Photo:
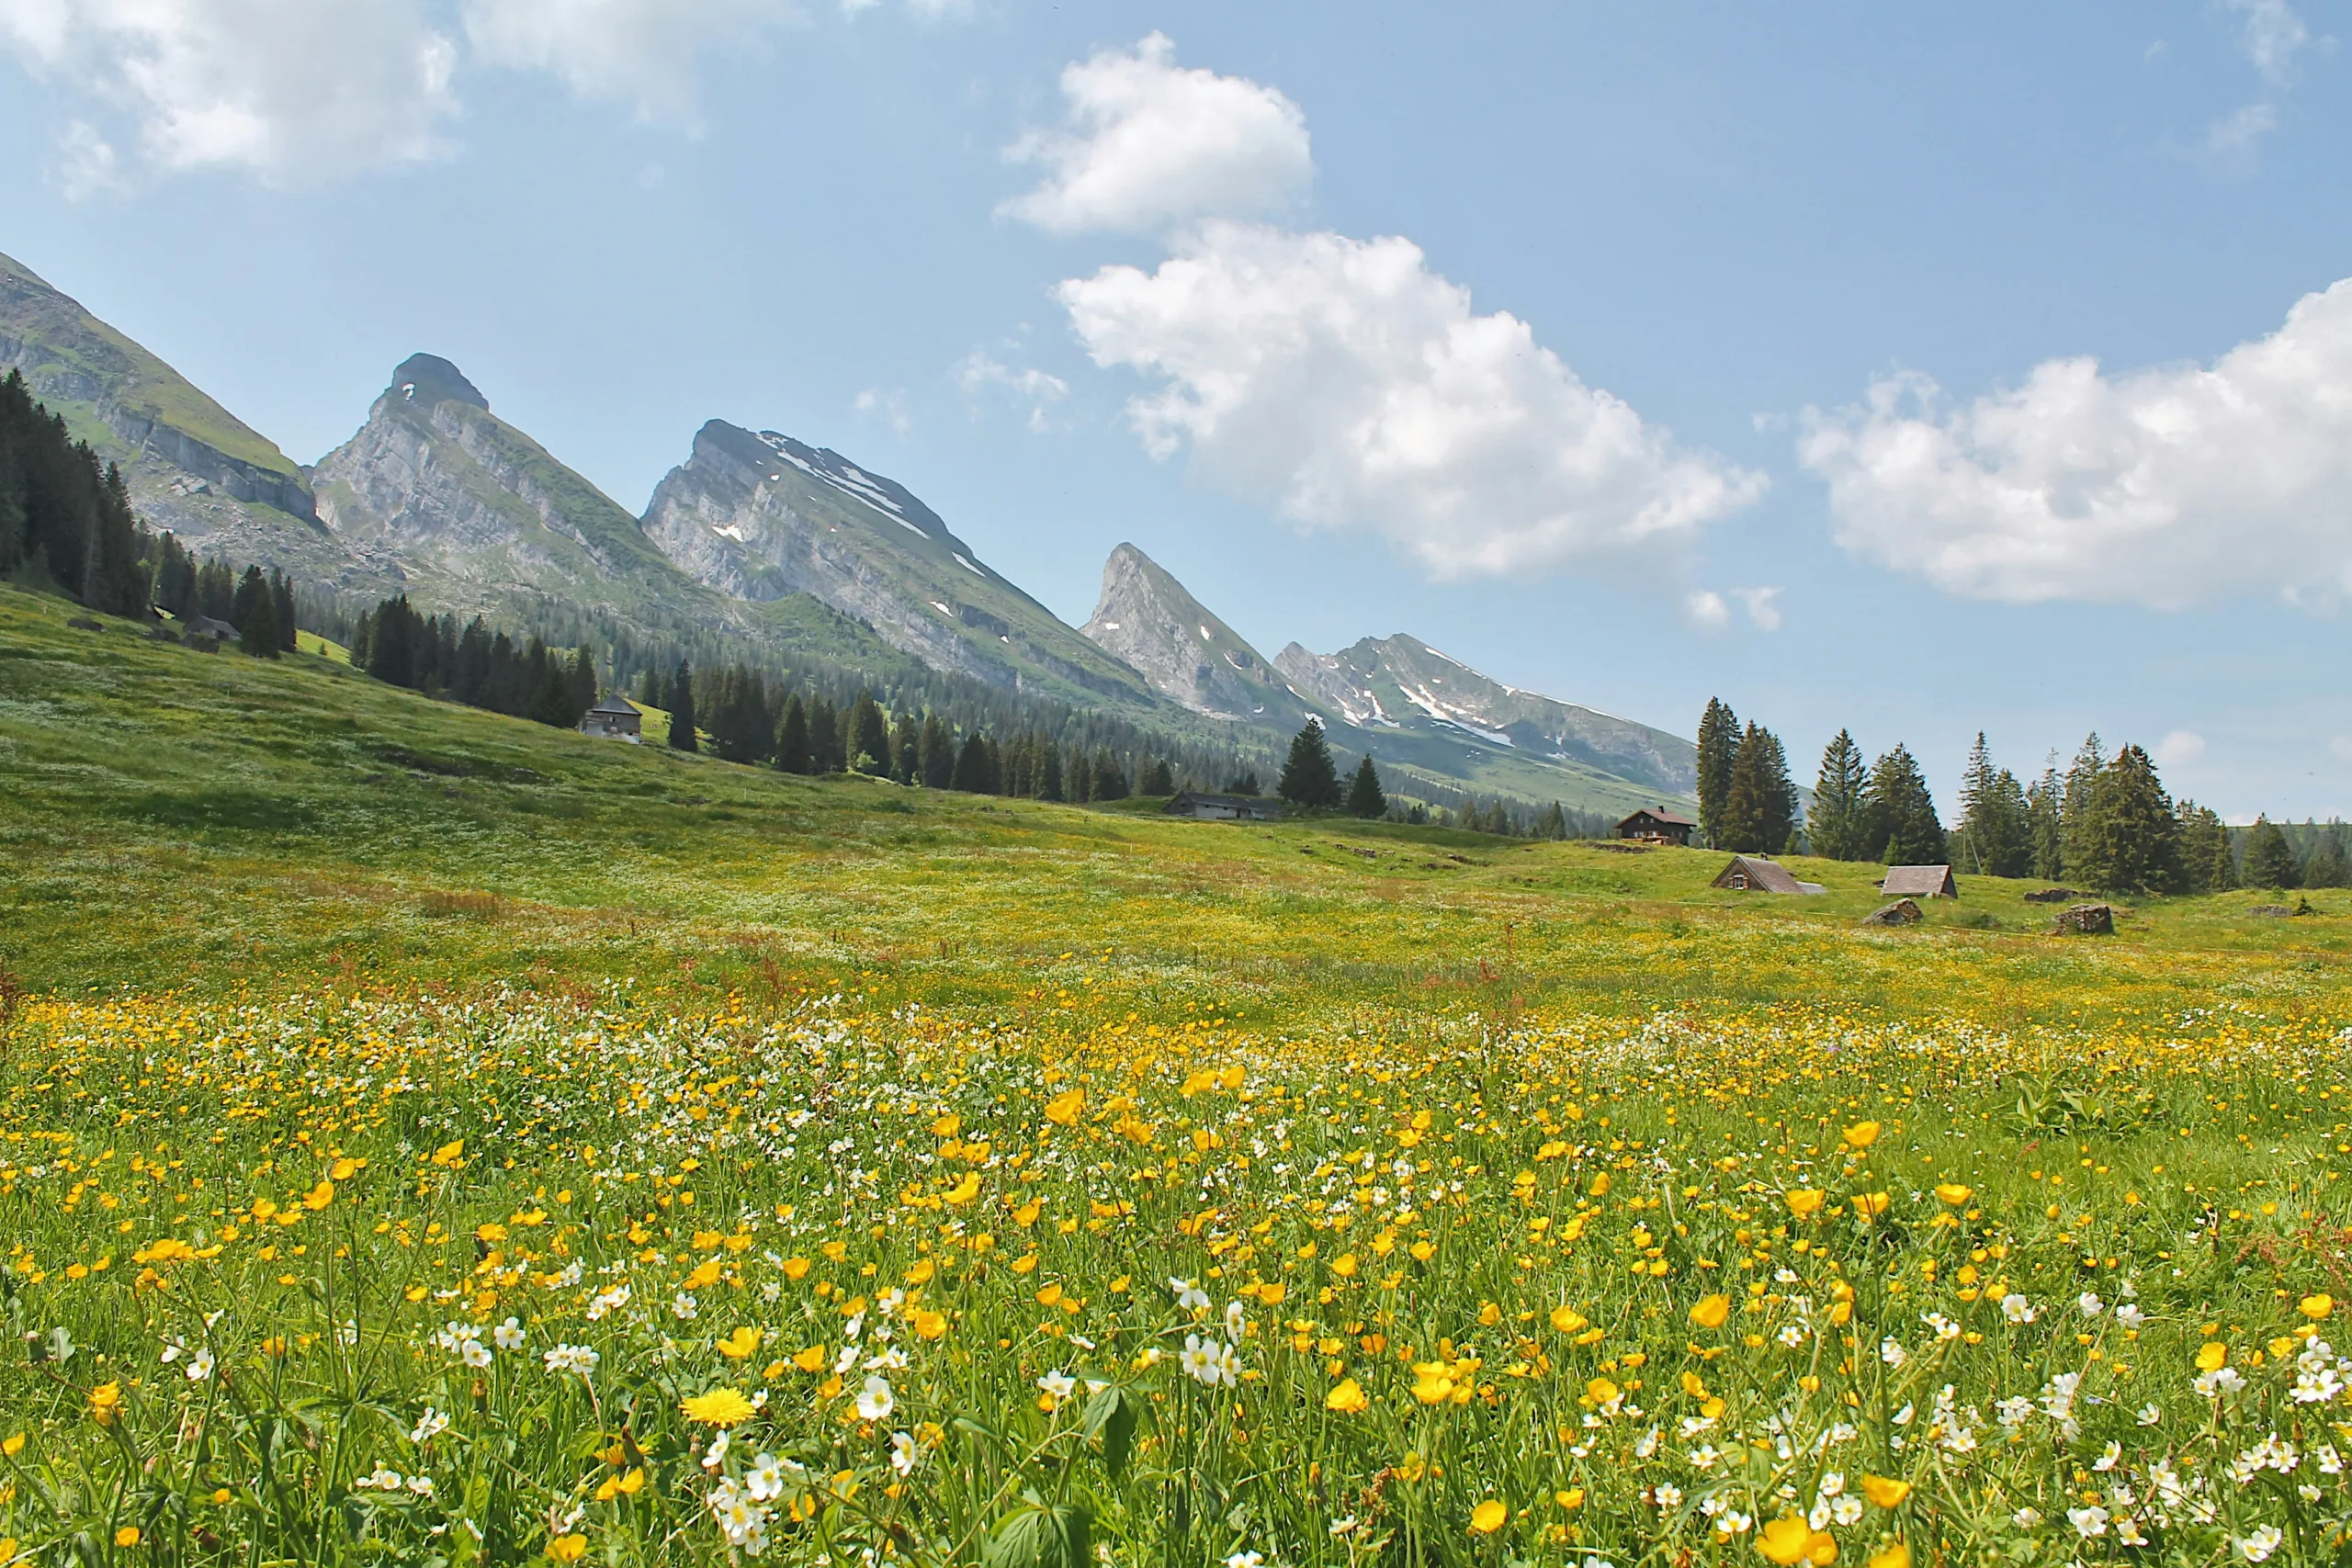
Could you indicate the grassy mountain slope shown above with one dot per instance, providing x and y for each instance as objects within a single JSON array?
[{"x": 176, "y": 819}]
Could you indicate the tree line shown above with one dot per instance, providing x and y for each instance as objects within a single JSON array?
[
  {"x": 1310, "y": 781},
  {"x": 261, "y": 607},
  {"x": 473, "y": 665},
  {"x": 66, "y": 518}
]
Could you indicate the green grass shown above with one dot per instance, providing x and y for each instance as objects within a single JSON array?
[{"x": 176, "y": 818}]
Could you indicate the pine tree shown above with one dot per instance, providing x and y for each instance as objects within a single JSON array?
[
  {"x": 972, "y": 766},
  {"x": 1158, "y": 780},
  {"x": 2074, "y": 805},
  {"x": 2206, "y": 865},
  {"x": 1049, "y": 784},
  {"x": 1995, "y": 834},
  {"x": 1110, "y": 780},
  {"x": 257, "y": 633},
  {"x": 1309, "y": 778},
  {"x": 792, "y": 738},
  {"x": 1759, "y": 809},
  {"x": 1244, "y": 785},
  {"x": 2269, "y": 859},
  {"x": 1902, "y": 828},
  {"x": 826, "y": 749},
  {"x": 2326, "y": 865},
  {"x": 682, "y": 709},
  {"x": 938, "y": 753},
  {"x": 2125, "y": 835},
  {"x": 1364, "y": 796},
  {"x": 1718, "y": 751},
  {"x": 2045, "y": 822},
  {"x": 281, "y": 599},
  {"x": 1552, "y": 824},
  {"x": 1835, "y": 824},
  {"x": 905, "y": 751},
  {"x": 867, "y": 749}
]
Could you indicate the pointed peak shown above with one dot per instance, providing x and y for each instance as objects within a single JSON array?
[{"x": 427, "y": 379}]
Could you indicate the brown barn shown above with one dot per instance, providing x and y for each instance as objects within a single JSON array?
[
  {"x": 1920, "y": 882},
  {"x": 1656, "y": 825},
  {"x": 1759, "y": 873}
]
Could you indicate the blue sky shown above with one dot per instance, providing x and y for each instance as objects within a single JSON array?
[{"x": 1549, "y": 333}]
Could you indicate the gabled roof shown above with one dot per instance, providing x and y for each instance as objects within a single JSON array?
[
  {"x": 1231, "y": 802},
  {"x": 1661, "y": 814},
  {"x": 615, "y": 702},
  {"x": 1930, "y": 880},
  {"x": 1764, "y": 875}
]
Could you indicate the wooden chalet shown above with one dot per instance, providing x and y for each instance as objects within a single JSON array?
[{"x": 1656, "y": 825}]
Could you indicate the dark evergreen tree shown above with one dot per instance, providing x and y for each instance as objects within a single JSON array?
[
  {"x": 1309, "y": 778},
  {"x": 281, "y": 599},
  {"x": 792, "y": 754},
  {"x": 1049, "y": 779},
  {"x": 869, "y": 749},
  {"x": 2326, "y": 865},
  {"x": 1838, "y": 824},
  {"x": 682, "y": 709},
  {"x": 1901, "y": 813},
  {"x": 1759, "y": 807},
  {"x": 972, "y": 767},
  {"x": 2046, "y": 823},
  {"x": 1718, "y": 750},
  {"x": 1080, "y": 777},
  {"x": 1551, "y": 824},
  {"x": 938, "y": 753},
  {"x": 257, "y": 633},
  {"x": 2075, "y": 806},
  {"x": 1109, "y": 779},
  {"x": 2125, "y": 836},
  {"x": 825, "y": 746},
  {"x": 2269, "y": 859},
  {"x": 1158, "y": 780},
  {"x": 1366, "y": 798},
  {"x": 1995, "y": 834},
  {"x": 1244, "y": 785},
  {"x": 905, "y": 751},
  {"x": 2206, "y": 865}
]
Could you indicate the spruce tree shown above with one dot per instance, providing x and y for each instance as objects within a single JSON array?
[
  {"x": 2327, "y": 864},
  {"x": 1049, "y": 782},
  {"x": 1158, "y": 779},
  {"x": 905, "y": 751},
  {"x": 682, "y": 707},
  {"x": 2045, "y": 822},
  {"x": 1718, "y": 751},
  {"x": 972, "y": 766},
  {"x": 792, "y": 738},
  {"x": 2125, "y": 835},
  {"x": 1245, "y": 785},
  {"x": 1110, "y": 781},
  {"x": 2206, "y": 865},
  {"x": 1309, "y": 778},
  {"x": 2269, "y": 859},
  {"x": 1835, "y": 823},
  {"x": 281, "y": 599},
  {"x": 2074, "y": 805},
  {"x": 257, "y": 633},
  {"x": 1759, "y": 807},
  {"x": 1364, "y": 796},
  {"x": 1995, "y": 835},
  {"x": 1901, "y": 813},
  {"x": 1553, "y": 823},
  {"x": 938, "y": 753}
]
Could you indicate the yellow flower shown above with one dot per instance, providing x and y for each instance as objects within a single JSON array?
[
  {"x": 318, "y": 1197},
  {"x": 127, "y": 1537},
  {"x": 1784, "y": 1541},
  {"x": 920, "y": 1273},
  {"x": 1344, "y": 1265},
  {"x": 568, "y": 1548},
  {"x": 2210, "y": 1355},
  {"x": 928, "y": 1325},
  {"x": 492, "y": 1231},
  {"x": 1870, "y": 1205},
  {"x": 741, "y": 1344},
  {"x": 1348, "y": 1398},
  {"x": 1709, "y": 1312},
  {"x": 963, "y": 1192},
  {"x": 1953, "y": 1192},
  {"x": 1862, "y": 1135},
  {"x": 705, "y": 1275},
  {"x": 105, "y": 1403},
  {"x": 1820, "y": 1550},
  {"x": 1487, "y": 1518},
  {"x": 2317, "y": 1306},
  {"x": 1567, "y": 1319},
  {"x": 1805, "y": 1202},
  {"x": 8, "y": 1549},
  {"x": 1600, "y": 1391},
  {"x": 1063, "y": 1109},
  {"x": 1885, "y": 1491},
  {"x": 1896, "y": 1556},
  {"x": 1570, "y": 1500},
  {"x": 13, "y": 1445},
  {"x": 812, "y": 1359},
  {"x": 796, "y": 1267},
  {"x": 720, "y": 1408}
]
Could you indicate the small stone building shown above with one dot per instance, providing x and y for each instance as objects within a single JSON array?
[
  {"x": 1919, "y": 881},
  {"x": 1760, "y": 874},
  {"x": 616, "y": 718},
  {"x": 1656, "y": 825},
  {"x": 1223, "y": 808}
]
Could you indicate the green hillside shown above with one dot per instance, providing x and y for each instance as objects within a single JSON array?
[{"x": 177, "y": 820}]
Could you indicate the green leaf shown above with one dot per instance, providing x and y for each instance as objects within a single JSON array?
[
  {"x": 1111, "y": 1416},
  {"x": 1040, "y": 1537}
]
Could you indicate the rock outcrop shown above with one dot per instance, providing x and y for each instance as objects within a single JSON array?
[{"x": 1148, "y": 619}]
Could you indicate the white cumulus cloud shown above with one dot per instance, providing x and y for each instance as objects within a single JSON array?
[
  {"x": 1147, "y": 143},
  {"x": 1761, "y": 611},
  {"x": 638, "y": 52},
  {"x": 1709, "y": 609},
  {"x": 2180, "y": 749},
  {"x": 1353, "y": 387},
  {"x": 293, "y": 91},
  {"x": 2164, "y": 487}
]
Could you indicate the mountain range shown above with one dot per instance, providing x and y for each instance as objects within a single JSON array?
[{"x": 764, "y": 546}]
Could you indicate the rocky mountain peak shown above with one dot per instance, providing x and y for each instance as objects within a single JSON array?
[
  {"x": 427, "y": 379},
  {"x": 1148, "y": 619}
]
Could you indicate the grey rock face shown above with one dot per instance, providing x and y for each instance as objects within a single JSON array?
[{"x": 1148, "y": 619}]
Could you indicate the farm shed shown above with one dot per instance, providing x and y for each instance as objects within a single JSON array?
[
  {"x": 1223, "y": 808},
  {"x": 1759, "y": 874},
  {"x": 1919, "y": 881},
  {"x": 1656, "y": 825},
  {"x": 615, "y": 717}
]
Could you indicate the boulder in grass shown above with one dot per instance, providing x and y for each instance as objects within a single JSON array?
[
  {"x": 1902, "y": 912},
  {"x": 2271, "y": 912},
  {"x": 2053, "y": 896},
  {"x": 2085, "y": 920}
]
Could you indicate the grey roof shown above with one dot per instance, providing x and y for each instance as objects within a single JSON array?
[
  {"x": 1764, "y": 875},
  {"x": 1929, "y": 880},
  {"x": 615, "y": 702},
  {"x": 1663, "y": 814}
]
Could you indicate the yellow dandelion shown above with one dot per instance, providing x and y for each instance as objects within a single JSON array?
[{"x": 720, "y": 1408}]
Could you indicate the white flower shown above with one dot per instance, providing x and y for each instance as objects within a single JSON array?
[
  {"x": 2025, "y": 1519},
  {"x": 2219, "y": 1381},
  {"x": 475, "y": 1354},
  {"x": 607, "y": 1300},
  {"x": 572, "y": 1358},
  {"x": 1892, "y": 1352},
  {"x": 199, "y": 1365},
  {"x": 2127, "y": 1528},
  {"x": 509, "y": 1335},
  {"x": 875, "y": 1401},
  {"x": 717, "y": 1455},
  {"x": 1668, "y": 1496},
  {"x": 2258, "y": 1546},
  {"x": 2329, "y": 1462},
  {"x": 1229, "y": 1366},
  {"x": 1058, "y": 1384},
  {"x": 1189, "y": 1296},
  {"x": 765, "y": 1480},
  {"x": 1847, "y": 1510},
  {"x": 890, "y": 1360},
  {"x": 385, "y": 1479},
  {"x": 2130, "y": 1315},
  {"x": 2017, "y": 1309},
  {"x": 1246, "y": 1560},
  {"x": 685, "y": 1307},
  {"x": 904, "y": 1455},
  {"x": 429, "y": 1425},
  {"x": 889, "y": 1303},
  {"x": 2109, "y": 1457},
  {"x": 2014, "y": 1411},
  {"x": 1196, "y": 1361},
  {"x": 2087, "y": 1522},
  {"x": 1792, "y": 1336},
  {"x": 846, "y": 1360},
  {"x": 1235, "y": 1322},
  {"x": 2317, "y": 1385},
  {"x": 2089, "y": 1304},
  {"x": 1646, "y": 1444},
  {"x": 421, "y": 1484},
  {"x": 2151, "y": 1413},
  {"x": 1945, "y": 1328},
  {"x": 1731, "y": 1521},
  {"x": 1703, "y": 1457}
]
